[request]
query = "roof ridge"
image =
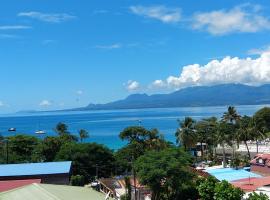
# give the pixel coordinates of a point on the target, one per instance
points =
(45, 191)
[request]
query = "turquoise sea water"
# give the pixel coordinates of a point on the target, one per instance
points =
(104, 126)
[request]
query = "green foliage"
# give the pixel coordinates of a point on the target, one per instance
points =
(21, 148)
(165, 172)
(255, 196)
(77, 180)
(206, 188)
(262, 118)
(186, 134)
(87, 158)
(128, 188)
(225, 191)
(83, 134)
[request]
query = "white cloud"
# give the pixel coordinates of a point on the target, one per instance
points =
(259, 50)
(132, 85)
(45, 103)
(157, 84)
(14, 27)
(161, 13)
(47, 17)
(244, 18)
(227, 70)
(109, 47)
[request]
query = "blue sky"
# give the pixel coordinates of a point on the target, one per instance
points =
(63, 54)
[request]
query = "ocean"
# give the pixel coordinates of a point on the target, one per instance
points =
(105, 126)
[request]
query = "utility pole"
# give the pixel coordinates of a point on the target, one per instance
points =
(97, 171)
(7, 158)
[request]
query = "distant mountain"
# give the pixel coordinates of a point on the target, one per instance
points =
(218, 95)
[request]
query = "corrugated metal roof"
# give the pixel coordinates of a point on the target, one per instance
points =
(28, 169)
(12, 184)
(51, 192)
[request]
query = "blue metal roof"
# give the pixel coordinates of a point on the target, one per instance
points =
(28, 169)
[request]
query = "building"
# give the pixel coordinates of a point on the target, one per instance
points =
(13, 184)
(116, 187)
(47, 172)
(51, 192)
(261, 164)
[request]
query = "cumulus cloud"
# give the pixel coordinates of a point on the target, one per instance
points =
(132, 85)
(244, 18)
(161, 13)
(157, 84)
(14, 27)
(227, 70)
(45, 103)
(47, 17)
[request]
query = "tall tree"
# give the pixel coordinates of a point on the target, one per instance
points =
(244, 131)
(186, 134)
(165, 172)
(83, 134)
(231, 116)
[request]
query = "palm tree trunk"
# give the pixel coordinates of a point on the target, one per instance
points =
(257, 145)
(224, 155)
(247, 150)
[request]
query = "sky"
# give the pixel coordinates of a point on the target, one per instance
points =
(63, 54)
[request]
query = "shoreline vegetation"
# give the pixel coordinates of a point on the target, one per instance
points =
(158, 164)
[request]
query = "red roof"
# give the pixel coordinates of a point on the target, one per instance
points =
(251, 184)
(13, 184)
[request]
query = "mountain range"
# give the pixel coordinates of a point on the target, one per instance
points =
(218, 95)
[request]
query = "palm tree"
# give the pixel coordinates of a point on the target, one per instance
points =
(185, 135)
(258, 131)
(244, 132)
(231, 116)
(83, 134)
(223, 137)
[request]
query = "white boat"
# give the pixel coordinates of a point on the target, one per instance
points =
(12, 129)
(40, 132)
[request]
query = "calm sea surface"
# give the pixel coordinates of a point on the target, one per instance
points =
(104, 126)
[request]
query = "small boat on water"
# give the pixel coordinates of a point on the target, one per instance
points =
(12, 129)
(40, 132)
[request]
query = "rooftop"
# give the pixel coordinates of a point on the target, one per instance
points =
(12, 184)
(52, 192)
(251, 184)
(28, 169)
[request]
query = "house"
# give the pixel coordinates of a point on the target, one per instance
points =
(116, 187)
(261, 164)
(13, 184)
(51, 192)
(47, 172)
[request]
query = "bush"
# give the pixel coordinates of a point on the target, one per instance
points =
(77, 180)
(255, 196)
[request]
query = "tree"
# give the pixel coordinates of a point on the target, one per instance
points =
(231, 116)
(61, 129)
(88, 159)
(206, 188)
(186, 135)
(244, 132)
(48, 149)
(83, 134)
(261, 124)
(21, 148)
(225, 190)
(255, 196)
(165, 172)
(223, 136)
